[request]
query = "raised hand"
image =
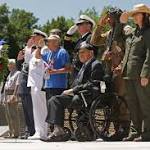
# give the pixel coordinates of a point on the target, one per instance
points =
(72, 30)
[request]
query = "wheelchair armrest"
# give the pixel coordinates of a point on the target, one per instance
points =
(83, 91)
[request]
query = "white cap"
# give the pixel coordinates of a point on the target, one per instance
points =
(11, 61)
(53, 37)
(38, 32)
(85, 18)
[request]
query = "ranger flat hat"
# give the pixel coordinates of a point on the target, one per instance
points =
(85, 18)
(139, 8)
(38, 32)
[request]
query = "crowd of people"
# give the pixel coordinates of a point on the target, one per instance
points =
(40, 76)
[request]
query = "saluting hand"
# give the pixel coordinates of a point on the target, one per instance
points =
(144, 81)
(72, 30)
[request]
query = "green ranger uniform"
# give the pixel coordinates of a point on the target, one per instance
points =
(136, 65)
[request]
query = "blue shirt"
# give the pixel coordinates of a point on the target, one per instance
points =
(56, 60)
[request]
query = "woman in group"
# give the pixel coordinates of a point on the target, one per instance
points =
(136, 71)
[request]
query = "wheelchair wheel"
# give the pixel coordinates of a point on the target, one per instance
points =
(83, 134)
(104, 119)
(99, 118)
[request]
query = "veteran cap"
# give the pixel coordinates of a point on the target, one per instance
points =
(84, 19)
(38, 32)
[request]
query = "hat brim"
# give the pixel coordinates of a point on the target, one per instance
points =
(37, 34)
(126, 15)
(82, 21)
(49, 39)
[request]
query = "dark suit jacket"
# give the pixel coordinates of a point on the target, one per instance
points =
(23, 78)
(71, 45)
(93, 71)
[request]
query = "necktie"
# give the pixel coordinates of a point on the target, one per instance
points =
(79, 76)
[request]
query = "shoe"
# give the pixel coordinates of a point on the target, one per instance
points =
(99, 140)
(42, 138)
(131, 137)
(15, 136)
(118, 136)
(141, 139)
(138, 139)
(25, 136)
(8, 136)
(55, 138)
(34, 137)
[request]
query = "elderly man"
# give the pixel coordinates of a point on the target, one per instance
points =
(91, 70)
(57, 66)
(24, 91)
(11, 102)
(52, 32)
(84, 26)
(56, 32)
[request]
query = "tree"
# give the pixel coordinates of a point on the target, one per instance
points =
(15, 27)
(91, 13)
(21, 24)
(60, 22)
(4, 20)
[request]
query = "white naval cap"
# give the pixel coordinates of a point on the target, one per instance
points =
(11, 61)
(85, 18)
(38, 32)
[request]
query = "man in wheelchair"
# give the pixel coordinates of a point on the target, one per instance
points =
(91, 70)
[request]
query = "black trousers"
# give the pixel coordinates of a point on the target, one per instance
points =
(57, 105)
(52, 92)
(28, 112)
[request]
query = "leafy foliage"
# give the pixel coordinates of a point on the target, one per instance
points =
(60, 22)
(16, 26)
(3, 62)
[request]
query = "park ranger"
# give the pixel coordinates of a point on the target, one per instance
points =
(136, 71)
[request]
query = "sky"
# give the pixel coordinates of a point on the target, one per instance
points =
(48, 9)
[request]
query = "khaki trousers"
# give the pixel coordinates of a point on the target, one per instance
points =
(12, 116)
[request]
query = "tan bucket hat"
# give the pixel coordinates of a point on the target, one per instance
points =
(139, 8)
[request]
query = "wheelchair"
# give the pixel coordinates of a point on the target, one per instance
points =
(99, 119)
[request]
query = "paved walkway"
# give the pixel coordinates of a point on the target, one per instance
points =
(12, 144)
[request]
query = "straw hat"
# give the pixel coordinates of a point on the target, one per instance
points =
(139, 8)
